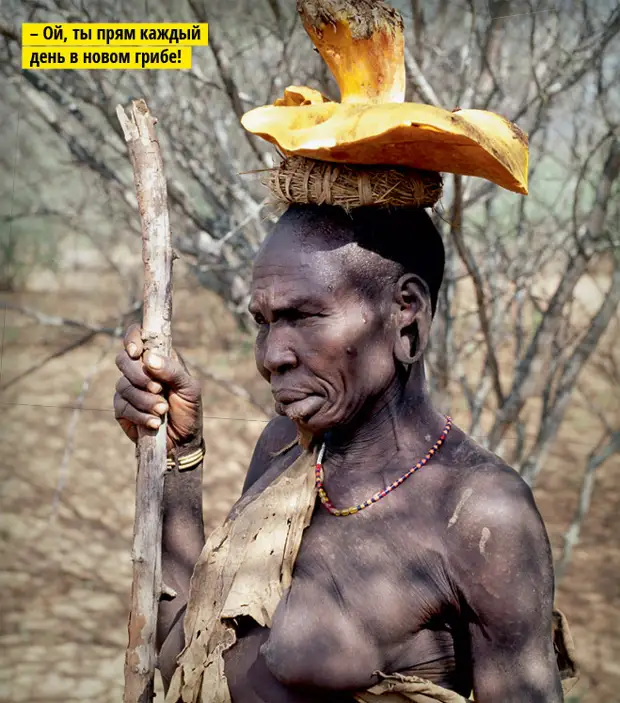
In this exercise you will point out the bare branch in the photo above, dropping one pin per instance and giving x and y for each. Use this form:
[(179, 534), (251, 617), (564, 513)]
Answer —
[(141, 657), (73, 422), (419, 81), (226, 76), (472, 268), (528, 366), (41, 364), (418, 31), (571, 537), (9, 32), (57, 321), (553, 415)]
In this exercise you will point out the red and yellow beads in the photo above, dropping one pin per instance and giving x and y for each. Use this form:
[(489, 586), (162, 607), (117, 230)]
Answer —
[(380, 494)]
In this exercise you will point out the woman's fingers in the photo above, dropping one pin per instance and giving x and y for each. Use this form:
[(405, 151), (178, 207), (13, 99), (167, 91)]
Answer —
[(133, 370), (171, 372), (133, 341), (124, 410), (141, 400), (129, 429)]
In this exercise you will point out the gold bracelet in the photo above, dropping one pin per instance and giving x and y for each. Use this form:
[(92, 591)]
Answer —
[(189, 461)]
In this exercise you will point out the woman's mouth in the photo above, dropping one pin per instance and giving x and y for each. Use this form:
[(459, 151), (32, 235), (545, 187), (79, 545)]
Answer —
[(288, 395), (296, 405)]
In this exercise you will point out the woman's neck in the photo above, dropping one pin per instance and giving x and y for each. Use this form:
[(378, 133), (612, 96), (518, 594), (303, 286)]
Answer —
[(402, 419)]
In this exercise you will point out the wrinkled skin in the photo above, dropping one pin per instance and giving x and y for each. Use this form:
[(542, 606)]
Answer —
[(449, 577)]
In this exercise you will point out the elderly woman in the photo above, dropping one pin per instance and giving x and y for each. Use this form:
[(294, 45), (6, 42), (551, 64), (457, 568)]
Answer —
[(377, 552), (442, 571)]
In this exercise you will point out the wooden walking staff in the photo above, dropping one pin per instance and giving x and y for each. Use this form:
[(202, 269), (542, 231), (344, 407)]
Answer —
[(147, 586)]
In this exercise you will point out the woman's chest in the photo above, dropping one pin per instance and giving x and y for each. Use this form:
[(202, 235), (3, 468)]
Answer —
[(364, 588)]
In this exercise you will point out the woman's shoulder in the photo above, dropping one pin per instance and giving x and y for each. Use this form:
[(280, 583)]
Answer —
[(276, 446)]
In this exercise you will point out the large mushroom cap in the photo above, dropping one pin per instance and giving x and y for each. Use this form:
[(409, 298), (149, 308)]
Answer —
[(468, 142), (362, 43)]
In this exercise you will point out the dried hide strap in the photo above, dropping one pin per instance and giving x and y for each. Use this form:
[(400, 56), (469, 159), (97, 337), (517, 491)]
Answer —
[(245, 567), (397, 688)]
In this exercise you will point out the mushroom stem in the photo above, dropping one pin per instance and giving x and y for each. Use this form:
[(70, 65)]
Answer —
[(362, 42)]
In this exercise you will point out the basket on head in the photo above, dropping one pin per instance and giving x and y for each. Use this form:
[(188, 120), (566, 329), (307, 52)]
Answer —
[(298, 179)]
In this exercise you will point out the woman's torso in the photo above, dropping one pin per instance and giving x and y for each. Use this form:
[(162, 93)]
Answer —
[(371, 592)]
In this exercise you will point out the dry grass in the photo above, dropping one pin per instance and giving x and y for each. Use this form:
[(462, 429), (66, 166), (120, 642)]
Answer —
[(301, 180)]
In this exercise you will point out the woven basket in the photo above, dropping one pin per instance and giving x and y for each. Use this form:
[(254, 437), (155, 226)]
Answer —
[(307, 181)]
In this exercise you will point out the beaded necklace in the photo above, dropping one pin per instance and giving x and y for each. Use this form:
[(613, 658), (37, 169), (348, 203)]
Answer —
[(380, 494)]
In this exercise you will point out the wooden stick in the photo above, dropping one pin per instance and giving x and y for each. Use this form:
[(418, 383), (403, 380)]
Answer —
[(147, 587)]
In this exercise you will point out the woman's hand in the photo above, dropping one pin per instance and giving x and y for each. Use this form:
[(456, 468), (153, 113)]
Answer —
[(147, 391)]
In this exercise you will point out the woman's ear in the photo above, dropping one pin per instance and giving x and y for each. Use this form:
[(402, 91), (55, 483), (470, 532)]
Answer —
[(413, 318)]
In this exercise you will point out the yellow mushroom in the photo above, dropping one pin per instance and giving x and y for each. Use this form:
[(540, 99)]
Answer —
[(362, 43)]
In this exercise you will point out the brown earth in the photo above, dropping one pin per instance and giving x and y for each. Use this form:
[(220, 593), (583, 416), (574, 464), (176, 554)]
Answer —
[(67, 504)]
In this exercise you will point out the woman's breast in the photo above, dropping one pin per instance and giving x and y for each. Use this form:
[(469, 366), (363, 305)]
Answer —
[(356, 607), (251, 681), (364, 598)]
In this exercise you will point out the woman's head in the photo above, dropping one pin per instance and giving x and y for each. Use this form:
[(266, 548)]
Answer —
[(344, 304)]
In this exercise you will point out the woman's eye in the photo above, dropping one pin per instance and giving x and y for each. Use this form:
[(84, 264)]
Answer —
[(296, 316)]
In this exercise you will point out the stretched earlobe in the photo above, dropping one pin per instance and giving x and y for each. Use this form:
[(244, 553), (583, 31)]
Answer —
[(407, 346), (414, 319)]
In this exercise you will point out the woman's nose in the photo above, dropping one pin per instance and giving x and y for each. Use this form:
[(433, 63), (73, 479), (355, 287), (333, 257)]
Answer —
[(278, 355)]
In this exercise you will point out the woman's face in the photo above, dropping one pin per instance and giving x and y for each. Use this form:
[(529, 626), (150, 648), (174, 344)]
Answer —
[(323, 346)]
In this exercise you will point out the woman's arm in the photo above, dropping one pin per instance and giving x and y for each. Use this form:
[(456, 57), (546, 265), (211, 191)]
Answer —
[(504, 574)]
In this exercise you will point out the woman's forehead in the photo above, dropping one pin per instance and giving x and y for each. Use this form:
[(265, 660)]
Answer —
[(289, 276), (289, 280), (286, 256)]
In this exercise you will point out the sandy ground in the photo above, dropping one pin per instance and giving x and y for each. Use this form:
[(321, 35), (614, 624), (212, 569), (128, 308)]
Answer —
[(66, 506)]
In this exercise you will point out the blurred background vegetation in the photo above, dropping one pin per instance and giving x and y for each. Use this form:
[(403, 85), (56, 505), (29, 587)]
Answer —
[(523, 355)]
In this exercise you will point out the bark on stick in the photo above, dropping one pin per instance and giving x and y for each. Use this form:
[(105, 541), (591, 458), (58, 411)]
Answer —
[(140, 658)]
